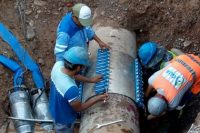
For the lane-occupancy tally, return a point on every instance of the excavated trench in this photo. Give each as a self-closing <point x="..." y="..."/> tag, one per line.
<point x="170" y="23"/>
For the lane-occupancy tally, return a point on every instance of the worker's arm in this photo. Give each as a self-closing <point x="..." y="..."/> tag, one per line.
<point x="177" y="52"/>
<point x="78" y="106"/>
<point x="148" y="90"/>
<point x="102" y="45"/>
<point x="150" y="117"/>
<point x="88" y="80"/>
<point x="150" y="82"/>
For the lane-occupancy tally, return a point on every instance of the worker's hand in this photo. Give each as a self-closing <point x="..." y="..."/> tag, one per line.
<point x="150" y="117"/>
<point x="96" y="79"/>
<point x="103" y="45"/>
<point x="103" y="97"/>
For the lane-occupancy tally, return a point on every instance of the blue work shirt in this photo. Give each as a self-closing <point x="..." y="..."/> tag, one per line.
<point x="63" y="90"/>
<point x="70" y="35"/>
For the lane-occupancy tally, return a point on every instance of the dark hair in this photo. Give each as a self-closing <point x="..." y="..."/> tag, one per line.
<point x="70" y="66"/>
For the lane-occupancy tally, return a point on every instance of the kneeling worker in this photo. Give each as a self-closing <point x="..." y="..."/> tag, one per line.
<point x="65" y="99"/>
<point x="181" y="75"/>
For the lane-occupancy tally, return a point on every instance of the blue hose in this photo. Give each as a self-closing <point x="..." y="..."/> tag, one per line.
<point x="14" y="67"/>
<point x="23" y="56"/>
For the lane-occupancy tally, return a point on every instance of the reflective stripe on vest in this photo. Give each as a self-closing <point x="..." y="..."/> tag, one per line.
<point x="187" y="67"/>
<point x="196" y="86"/>
<point x="192" y="58"/>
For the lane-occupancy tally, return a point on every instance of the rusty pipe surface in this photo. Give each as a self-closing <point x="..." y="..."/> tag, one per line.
<point x="116" y="108"/>
<point x="121" y="88"/>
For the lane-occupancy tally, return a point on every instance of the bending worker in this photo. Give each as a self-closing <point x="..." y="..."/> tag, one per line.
<point x="65" y="99"/>
<point x="74" y="30"/>
<point x="181" y="75"/>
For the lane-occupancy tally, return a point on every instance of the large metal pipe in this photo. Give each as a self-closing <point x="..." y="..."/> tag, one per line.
<point x="21" y="108"/>
<point x="40" y="108"/>
<point x="121" y="104"/>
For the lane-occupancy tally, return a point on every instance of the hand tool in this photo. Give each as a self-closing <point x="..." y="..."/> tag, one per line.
<point x="105" y="124"/>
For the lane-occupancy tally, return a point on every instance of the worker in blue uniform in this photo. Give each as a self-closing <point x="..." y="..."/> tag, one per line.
<point x="65" y="99"/>
<point x="74" y="30"/>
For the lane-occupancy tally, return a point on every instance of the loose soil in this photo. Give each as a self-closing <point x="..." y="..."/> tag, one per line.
<point x="172" y="23"/>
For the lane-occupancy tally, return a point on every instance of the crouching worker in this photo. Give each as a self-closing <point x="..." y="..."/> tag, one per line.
<point x="64" y="99"/>
<point x="179" y="77"/>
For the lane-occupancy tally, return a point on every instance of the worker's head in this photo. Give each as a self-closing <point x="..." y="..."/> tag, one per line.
<point x="76" y="57"/>
<point x="151" y="54"/>
<point x="82" y="14"/>
<point x="157" y="105"/>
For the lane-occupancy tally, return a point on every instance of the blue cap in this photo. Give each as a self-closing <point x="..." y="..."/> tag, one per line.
<point x="77" y="55"/>
<point x="146" y="52"/>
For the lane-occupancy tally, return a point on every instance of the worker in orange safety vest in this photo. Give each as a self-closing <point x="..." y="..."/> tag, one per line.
<point x="181" y="75"/>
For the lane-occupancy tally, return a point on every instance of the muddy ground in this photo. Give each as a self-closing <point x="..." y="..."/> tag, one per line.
<point x="172" y="23"/>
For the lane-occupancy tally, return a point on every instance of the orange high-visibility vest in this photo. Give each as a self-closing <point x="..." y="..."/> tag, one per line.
<point x="183" y="70"/>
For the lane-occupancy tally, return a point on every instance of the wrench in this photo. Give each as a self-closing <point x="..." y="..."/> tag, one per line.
<point x="105" y="124"/>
